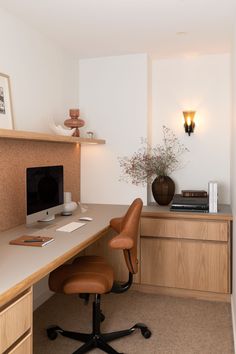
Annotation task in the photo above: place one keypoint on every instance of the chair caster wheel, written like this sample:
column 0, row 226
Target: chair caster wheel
column 146, row 333
column 52, row 332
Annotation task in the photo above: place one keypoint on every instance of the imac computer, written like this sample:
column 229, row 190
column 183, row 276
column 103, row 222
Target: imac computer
column 44, row 193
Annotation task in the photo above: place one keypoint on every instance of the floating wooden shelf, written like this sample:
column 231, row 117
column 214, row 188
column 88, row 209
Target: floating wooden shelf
column 28, row 135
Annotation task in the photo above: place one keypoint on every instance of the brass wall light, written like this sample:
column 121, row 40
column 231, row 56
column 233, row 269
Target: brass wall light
column 189, row 124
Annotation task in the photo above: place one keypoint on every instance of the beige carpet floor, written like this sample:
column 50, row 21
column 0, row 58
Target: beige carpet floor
column 179, row 326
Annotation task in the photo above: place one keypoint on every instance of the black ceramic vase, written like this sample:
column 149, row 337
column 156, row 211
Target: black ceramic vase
column 163, row 190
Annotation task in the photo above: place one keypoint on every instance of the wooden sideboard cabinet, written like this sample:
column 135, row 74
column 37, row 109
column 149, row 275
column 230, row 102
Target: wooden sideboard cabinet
column 188, row 251
column 182, row 254
column 16, row 325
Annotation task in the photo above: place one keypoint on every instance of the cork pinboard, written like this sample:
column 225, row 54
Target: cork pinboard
column 15, row 157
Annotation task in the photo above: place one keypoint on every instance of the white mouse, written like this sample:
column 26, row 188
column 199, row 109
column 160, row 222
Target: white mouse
column 86, row 218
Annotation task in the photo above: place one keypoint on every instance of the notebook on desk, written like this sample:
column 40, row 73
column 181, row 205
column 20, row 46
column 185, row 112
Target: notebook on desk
column 35, row 241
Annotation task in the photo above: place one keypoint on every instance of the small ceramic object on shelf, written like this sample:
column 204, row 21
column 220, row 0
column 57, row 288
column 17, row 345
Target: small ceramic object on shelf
column 90, row 135
column 74, row 121
column 69, row 205
column 59, row 130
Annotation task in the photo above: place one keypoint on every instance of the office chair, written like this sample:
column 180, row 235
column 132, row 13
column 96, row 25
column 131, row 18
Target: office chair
column 93, row 275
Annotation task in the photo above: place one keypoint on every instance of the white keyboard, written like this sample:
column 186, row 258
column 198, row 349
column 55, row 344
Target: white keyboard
column 72, row 226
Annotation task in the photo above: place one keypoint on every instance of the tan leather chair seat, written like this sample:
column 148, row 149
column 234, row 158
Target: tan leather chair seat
column 88, row 274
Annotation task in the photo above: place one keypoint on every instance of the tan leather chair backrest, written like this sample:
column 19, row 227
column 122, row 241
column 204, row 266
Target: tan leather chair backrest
column 128, row 230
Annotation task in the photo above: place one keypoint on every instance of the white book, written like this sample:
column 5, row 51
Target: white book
column 213, row 196
column 215, row 199
column 210, row 195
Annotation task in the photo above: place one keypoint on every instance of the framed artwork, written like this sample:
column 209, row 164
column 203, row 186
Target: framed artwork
column 6, row 115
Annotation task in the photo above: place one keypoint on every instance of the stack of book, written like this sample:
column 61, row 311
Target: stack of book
column 190, row 200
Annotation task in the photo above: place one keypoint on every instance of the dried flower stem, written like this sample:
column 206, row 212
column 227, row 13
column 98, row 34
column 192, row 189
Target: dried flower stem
column 149, row 161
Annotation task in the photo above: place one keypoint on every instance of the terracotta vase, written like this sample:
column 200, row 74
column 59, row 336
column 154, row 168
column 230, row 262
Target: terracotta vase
column 163, row 190
column 74, row 121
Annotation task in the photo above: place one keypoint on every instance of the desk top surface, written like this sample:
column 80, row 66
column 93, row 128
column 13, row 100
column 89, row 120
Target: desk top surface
column 22, row 266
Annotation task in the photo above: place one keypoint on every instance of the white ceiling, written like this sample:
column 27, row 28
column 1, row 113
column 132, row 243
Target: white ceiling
column 92, row 28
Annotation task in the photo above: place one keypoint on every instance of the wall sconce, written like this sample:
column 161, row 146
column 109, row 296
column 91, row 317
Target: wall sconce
column 189, row 121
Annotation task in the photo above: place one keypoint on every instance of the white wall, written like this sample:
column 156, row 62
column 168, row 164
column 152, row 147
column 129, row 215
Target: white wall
column 44, row 86
column 201, row 84
column 113, row 98
column 43, row 77
column 232, row 184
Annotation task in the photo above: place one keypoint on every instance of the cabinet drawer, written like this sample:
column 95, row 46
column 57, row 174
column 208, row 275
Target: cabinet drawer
column 15, row 320
column 185, row 264
column 189, row 229
column 24, row 347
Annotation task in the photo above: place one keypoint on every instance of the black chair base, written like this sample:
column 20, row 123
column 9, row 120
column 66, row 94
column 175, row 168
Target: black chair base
column 96, row 339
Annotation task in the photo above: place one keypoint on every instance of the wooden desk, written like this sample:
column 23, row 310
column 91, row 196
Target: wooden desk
column 186, row 253
column 21, row 267
column 181, row 253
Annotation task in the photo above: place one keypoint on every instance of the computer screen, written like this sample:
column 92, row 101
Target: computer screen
column 44, row 192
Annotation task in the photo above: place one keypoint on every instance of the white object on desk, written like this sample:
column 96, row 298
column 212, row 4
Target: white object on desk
column 72, row 226
column 213, row 196
column 69, row 205
column 86, row 218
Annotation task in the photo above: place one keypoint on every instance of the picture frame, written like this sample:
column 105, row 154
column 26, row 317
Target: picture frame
column 6, row 112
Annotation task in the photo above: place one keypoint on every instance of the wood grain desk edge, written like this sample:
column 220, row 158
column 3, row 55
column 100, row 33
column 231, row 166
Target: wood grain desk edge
column 35, row 277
